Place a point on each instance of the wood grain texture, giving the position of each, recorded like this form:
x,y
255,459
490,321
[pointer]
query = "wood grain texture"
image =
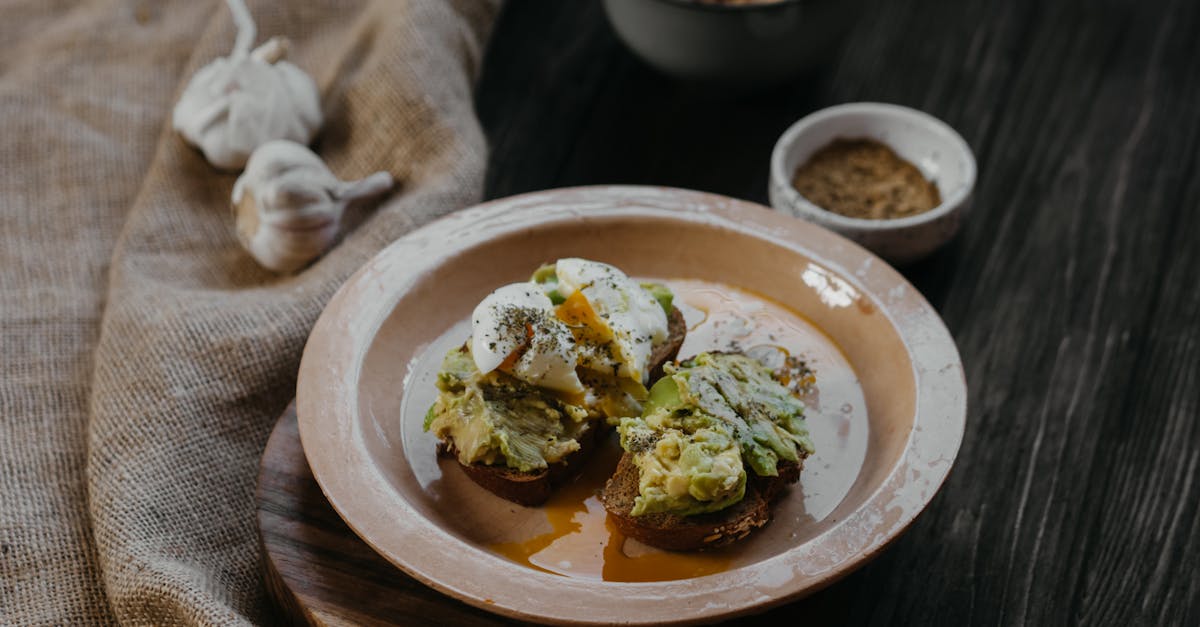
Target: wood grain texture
x,y
1072,293
317,570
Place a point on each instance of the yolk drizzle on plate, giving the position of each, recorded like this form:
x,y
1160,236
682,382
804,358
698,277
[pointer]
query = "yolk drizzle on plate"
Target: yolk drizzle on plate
x,y
583,543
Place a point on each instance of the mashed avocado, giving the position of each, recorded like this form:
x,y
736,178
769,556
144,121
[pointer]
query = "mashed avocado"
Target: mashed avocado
x,y
662,294
706,422
499,419
681,472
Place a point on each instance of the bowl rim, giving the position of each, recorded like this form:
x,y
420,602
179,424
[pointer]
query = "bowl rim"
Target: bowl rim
x,y
694,5
795,200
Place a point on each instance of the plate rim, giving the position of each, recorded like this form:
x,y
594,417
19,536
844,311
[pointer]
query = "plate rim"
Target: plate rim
x,y
336,463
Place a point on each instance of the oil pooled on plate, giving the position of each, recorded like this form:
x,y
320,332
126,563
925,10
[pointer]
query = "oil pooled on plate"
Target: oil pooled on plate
x,y
583,543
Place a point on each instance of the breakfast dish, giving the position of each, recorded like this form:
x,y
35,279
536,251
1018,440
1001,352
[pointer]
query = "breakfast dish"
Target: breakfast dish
x,y
553,362
885,425
718,440
523,401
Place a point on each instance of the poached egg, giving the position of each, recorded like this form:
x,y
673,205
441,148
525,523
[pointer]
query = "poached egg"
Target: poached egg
x,y
515,329
616,322
606,323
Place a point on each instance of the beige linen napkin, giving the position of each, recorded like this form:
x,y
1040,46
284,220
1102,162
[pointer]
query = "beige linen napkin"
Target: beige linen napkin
x,y
144,356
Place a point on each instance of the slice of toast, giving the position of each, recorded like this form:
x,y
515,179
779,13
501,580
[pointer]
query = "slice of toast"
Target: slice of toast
x,y
535,487
702,531
669,350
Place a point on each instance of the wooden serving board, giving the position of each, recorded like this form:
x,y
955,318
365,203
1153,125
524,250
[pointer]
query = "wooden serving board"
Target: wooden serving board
x,y
317,570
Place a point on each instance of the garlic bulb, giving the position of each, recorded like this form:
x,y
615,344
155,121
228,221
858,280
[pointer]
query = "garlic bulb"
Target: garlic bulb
x,y
237,103
289,205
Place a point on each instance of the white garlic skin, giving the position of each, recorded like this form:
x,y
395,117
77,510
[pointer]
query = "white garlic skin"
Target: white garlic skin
x,y
237,103
289,205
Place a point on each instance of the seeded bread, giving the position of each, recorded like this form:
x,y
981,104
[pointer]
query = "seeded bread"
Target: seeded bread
x,y
535,487
691,533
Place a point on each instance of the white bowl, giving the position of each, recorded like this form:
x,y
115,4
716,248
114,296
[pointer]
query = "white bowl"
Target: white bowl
x,y
739,46
925,141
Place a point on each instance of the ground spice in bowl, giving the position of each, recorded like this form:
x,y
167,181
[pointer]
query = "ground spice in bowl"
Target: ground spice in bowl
x,y
863,178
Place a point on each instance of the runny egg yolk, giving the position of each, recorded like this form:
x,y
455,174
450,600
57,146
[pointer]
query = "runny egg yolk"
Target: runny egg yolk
x,y
593,333
511,361
577,312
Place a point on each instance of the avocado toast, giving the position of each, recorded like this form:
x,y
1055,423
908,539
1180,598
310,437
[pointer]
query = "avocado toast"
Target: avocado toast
x,y
523,403
720,437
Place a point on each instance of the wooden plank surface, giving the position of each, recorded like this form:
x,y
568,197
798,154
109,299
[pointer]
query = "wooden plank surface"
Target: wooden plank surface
x,y
1072,293
317,570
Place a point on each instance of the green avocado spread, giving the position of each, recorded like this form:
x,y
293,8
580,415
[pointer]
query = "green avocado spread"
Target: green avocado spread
x,y
499,419
708,422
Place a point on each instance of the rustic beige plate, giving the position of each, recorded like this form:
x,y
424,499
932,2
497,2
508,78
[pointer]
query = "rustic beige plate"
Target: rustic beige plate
x,y
366,380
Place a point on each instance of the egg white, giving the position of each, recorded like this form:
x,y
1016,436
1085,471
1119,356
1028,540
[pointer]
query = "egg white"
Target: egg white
x,y
625,314
520,317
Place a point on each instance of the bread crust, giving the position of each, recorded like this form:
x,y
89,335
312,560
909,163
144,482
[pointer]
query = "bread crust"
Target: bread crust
x,y
535,487
531,488
669,350
702,531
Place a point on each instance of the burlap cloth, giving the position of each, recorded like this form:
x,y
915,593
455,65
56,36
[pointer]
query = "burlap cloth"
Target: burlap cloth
x,y
144,356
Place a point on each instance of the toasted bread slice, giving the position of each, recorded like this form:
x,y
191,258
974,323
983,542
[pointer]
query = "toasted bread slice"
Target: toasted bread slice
x,y
534,487
702,531
667,351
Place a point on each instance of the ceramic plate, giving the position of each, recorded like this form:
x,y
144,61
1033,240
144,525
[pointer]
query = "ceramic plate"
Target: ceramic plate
x,y
887,421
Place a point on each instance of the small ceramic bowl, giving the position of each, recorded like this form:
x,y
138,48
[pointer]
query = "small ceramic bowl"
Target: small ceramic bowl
x,y
925,141
749,45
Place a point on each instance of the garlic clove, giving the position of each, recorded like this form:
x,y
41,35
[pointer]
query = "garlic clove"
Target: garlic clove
x,y
376,183
273,51
237,103
289,204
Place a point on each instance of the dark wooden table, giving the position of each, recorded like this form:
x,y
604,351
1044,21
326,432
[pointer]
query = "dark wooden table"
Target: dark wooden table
x,y
1072,291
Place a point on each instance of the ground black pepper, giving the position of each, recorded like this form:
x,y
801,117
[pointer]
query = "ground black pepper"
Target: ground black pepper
x,y
862,178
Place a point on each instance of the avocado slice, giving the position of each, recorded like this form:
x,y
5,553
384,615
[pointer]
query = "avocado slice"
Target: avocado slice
x,y
708,422
547,277
662,294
